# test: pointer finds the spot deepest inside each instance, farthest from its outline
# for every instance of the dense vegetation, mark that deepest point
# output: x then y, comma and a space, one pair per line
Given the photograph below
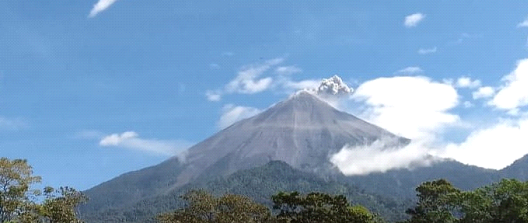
203, 207
440, 202
256, 195
18, 199
259, 184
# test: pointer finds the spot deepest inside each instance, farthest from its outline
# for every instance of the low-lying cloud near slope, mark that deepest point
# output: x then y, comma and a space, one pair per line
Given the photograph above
422, 109
131, 140
414, 107
380, 157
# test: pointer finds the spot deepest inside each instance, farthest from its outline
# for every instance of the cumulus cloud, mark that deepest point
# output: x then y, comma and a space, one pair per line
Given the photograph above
483, 92
131, 140
100, 6
494, 147
413, 20
380, 157
410, 70
424, 51
513, 94
411, 106
466, 82
287, 70
232, 114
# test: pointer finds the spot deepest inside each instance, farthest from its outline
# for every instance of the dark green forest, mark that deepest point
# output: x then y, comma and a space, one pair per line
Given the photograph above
297, 197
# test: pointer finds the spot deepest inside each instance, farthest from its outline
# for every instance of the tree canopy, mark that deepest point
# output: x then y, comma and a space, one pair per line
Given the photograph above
18, 199
502, 202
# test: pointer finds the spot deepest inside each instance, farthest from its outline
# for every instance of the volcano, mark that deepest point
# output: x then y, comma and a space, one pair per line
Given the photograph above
302, 131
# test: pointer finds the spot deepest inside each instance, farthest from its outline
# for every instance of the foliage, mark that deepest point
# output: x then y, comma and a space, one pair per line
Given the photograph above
60, 205
18, 201
258, 183
204, 207
434, 204
320, 208
16, 178
502, 202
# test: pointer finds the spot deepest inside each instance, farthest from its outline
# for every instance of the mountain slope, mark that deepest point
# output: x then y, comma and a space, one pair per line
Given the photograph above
302, 131
401, 183
257, 183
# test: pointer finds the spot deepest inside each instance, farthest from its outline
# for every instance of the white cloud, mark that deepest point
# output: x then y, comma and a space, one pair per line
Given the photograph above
214, 66
410, 70
424, 51
413, 107
100, 6
287, 70
213, 95
247, 80
466, 82
483, 92
413, 20
291, 86
378, 157
494, 147
12, 124
513, 94
131, 140
523, 23
232, 114
468, 104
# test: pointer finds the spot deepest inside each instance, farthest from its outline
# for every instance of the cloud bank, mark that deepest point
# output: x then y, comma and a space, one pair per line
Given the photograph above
513, 94
379, 157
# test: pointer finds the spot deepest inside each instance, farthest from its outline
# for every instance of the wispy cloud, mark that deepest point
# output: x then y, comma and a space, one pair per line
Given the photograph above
413, 20
214, 66
248, 79
131, 140
100, 6
424, 51
213, 95
523, 23
12, 124
232, 114
410, 70
287, 70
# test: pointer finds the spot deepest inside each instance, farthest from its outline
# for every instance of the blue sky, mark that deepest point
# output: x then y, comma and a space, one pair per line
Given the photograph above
92, 90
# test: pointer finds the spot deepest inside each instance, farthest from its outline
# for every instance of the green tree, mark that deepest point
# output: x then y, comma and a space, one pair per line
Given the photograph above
17, 199
435, 203
318, 208
203, 207
502, 202
60, 204
16, 179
